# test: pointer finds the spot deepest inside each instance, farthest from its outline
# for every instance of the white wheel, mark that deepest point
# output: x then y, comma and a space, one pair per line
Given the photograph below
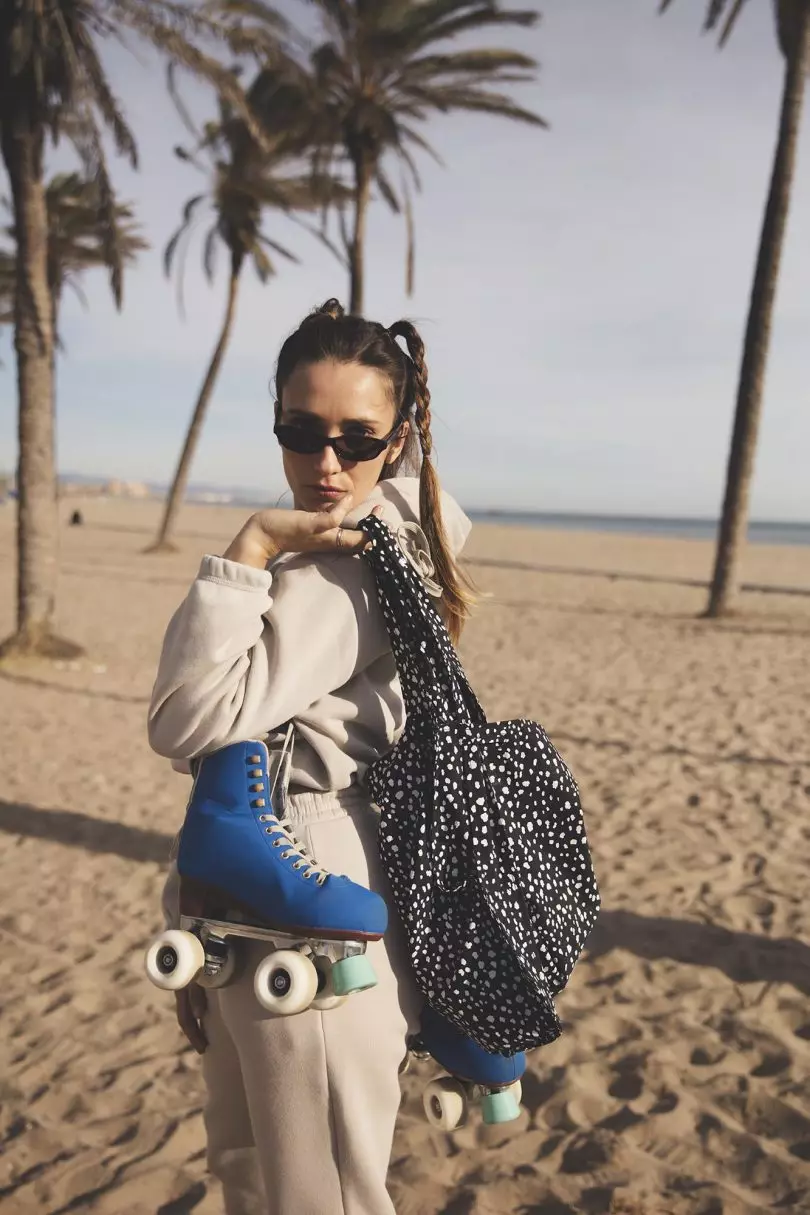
516, 1090
445, 1103
285, 982
226, 973
174, 959
325, 1000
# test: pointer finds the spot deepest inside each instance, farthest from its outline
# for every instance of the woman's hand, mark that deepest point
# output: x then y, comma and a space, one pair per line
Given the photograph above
270, 532
191, 1004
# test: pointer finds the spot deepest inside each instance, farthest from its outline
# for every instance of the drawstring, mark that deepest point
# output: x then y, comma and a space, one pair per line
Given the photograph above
283, 830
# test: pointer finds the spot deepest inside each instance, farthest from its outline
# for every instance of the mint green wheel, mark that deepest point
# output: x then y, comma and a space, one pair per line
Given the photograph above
353, 974
500, 1107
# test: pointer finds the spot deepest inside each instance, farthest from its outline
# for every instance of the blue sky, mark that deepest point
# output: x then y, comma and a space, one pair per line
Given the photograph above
582, 292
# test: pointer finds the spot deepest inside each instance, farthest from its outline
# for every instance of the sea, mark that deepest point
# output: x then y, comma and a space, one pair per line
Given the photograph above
759, 531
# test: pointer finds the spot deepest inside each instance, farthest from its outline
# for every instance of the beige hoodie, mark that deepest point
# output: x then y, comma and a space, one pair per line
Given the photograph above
249, 650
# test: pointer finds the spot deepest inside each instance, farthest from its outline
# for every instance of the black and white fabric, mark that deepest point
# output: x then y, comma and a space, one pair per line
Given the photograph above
481, 830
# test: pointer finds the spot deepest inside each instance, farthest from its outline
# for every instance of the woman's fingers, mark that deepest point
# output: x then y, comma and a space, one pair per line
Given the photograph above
348, 539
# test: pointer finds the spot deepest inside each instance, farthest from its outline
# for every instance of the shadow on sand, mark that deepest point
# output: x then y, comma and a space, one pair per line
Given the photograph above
530, 567
83, 831
98, 694
743, 956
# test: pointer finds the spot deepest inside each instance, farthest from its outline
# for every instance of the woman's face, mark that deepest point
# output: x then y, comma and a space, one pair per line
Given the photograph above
330, 400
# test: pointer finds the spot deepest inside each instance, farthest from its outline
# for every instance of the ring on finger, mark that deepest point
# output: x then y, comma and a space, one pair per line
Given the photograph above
339, 540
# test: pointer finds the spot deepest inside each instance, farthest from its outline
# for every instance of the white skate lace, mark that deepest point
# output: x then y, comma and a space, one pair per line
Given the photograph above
283, 831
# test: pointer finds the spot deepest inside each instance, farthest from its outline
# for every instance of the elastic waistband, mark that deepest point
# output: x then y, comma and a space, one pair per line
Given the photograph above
320, 807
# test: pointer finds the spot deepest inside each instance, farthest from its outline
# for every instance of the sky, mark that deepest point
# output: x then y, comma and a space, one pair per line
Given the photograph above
581, 291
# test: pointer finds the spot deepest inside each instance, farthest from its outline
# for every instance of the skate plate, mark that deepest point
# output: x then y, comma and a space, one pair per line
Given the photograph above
298, 972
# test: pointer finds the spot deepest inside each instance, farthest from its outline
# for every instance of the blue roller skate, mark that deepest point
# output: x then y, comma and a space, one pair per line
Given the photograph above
244, 874
475, 1076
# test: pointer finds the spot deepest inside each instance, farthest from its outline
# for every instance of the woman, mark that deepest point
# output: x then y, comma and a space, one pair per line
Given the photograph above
285, 626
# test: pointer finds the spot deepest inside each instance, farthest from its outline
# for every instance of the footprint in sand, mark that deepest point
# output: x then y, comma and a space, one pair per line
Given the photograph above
629, 1081
772, 1064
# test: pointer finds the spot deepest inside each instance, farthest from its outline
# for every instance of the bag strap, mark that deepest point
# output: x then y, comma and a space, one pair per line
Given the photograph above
434, 685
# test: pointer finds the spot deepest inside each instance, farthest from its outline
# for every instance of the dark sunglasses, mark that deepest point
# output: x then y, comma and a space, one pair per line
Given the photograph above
305, 441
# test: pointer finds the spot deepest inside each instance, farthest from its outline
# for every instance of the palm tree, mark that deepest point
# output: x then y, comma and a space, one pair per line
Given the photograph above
246, 179
793, 30
52, 83
76, 242
384, 68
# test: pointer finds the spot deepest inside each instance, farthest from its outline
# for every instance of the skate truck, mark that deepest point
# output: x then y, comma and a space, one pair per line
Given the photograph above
243, 874
476, 1076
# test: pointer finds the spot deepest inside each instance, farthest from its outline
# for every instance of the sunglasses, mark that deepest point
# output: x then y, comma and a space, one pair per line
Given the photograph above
305, 441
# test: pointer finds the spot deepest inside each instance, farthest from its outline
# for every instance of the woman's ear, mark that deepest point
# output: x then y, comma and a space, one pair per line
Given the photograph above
396, 448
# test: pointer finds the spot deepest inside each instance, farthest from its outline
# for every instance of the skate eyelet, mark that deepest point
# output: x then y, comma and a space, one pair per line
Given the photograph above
257, 805
254, 759
269, 831
276, 843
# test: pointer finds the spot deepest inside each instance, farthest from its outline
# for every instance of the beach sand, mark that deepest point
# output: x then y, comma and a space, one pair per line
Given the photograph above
682, 1081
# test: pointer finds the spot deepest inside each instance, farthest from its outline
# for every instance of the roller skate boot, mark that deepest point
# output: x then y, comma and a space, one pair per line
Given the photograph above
475, 1076
244, 874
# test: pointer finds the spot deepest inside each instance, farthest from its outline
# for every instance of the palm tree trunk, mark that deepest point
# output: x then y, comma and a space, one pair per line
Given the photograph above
177, 493
734, 522
362, 194
37, 510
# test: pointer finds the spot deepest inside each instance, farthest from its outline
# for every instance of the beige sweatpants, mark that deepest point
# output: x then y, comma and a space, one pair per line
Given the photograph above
301, 1110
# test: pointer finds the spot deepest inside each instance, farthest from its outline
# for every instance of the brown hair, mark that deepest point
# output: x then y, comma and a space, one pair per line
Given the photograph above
328, 333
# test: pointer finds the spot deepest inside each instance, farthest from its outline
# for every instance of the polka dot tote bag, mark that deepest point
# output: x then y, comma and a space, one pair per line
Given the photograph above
481, 830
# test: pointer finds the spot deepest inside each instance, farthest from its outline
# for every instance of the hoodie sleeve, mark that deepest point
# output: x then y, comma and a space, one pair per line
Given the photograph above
250, 649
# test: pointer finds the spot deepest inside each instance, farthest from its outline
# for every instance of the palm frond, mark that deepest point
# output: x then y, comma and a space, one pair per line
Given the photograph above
715, 12
188, 216
210, 252
410, 236
78, 236
262, 263
486, 63
282, 250
321, 235
103, 97
730, 22
451, 97
387, 190
430, 25
413, 136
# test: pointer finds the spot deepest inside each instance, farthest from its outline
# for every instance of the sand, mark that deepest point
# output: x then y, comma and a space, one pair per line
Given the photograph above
682, 1082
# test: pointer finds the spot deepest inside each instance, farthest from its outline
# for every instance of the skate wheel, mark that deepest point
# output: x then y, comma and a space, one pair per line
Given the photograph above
353, 974
500, 1107
174, 959
445, 1104
285, 983
223, 977
326, 999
